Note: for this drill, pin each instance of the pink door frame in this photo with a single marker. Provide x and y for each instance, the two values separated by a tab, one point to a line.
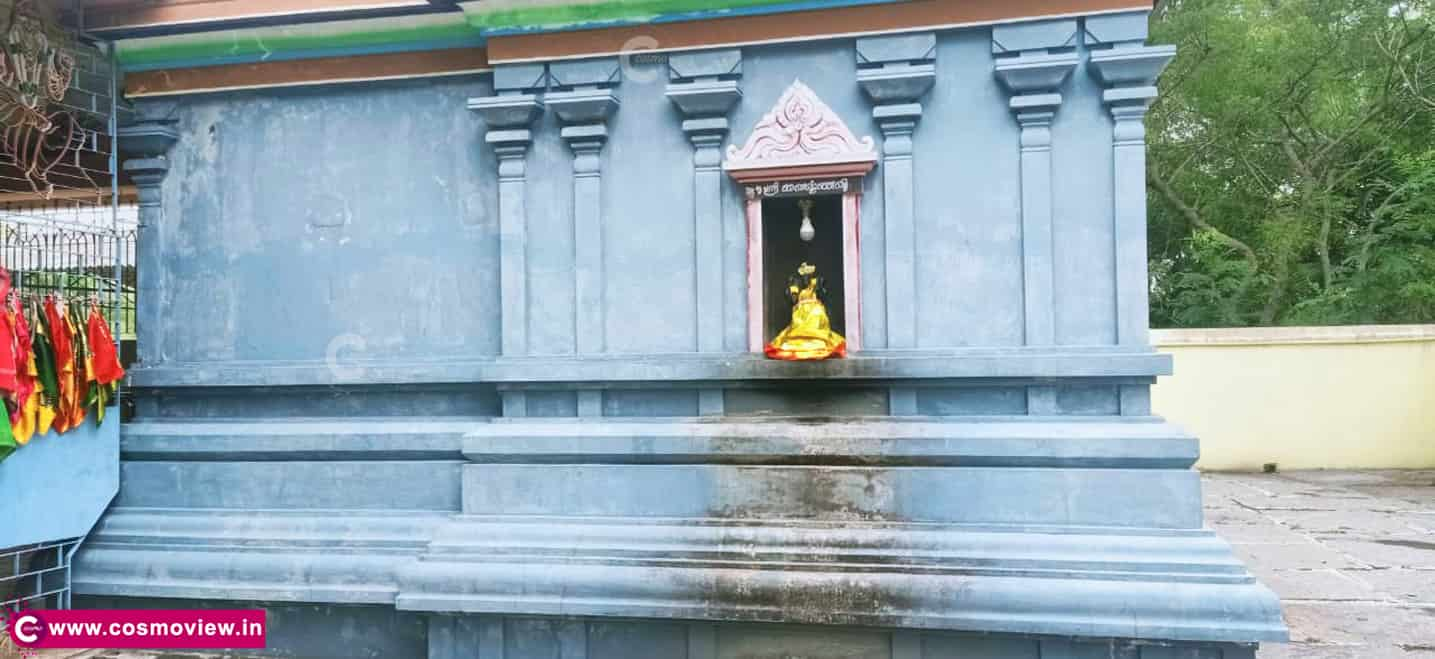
851	250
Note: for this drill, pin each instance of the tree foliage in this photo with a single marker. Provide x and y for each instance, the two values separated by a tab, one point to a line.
1292	163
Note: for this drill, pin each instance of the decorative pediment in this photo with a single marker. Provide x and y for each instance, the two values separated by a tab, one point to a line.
802	134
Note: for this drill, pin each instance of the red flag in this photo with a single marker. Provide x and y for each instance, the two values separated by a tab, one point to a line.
107	366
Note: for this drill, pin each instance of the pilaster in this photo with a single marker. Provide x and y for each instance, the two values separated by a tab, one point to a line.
1128	69
895	72
145	146
1033	61
704	87
583	100
509	114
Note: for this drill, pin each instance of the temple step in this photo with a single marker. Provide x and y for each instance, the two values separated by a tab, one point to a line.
1101	442
262	555
315	438
1075	581
294	464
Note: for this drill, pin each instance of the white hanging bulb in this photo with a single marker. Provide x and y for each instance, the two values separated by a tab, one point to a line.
807	232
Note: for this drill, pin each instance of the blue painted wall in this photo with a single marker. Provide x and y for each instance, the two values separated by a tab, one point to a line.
57	485
351	219
362	220
335	264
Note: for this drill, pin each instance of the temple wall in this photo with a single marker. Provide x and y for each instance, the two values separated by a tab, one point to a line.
366	311
353	220
279	212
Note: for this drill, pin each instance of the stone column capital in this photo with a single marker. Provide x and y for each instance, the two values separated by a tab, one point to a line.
895	72
1129	74
1128	66
1122	62
584	113
1035	74
707	98
1033	61
147	171
147	139
145	146
704	88
586	141
509	116
705	102
507	111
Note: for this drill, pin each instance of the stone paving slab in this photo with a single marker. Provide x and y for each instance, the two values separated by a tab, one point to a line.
1391	524
1350	553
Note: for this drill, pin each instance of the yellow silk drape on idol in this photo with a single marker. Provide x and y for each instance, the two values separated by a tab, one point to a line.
810	334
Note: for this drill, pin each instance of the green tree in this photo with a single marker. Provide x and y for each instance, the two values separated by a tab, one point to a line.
1292	163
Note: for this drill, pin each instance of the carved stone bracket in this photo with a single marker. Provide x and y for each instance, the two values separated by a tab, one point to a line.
145	146
897	69
584	113
705	84
1035	59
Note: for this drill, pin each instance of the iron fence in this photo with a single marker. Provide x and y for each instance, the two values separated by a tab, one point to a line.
36	576
75	262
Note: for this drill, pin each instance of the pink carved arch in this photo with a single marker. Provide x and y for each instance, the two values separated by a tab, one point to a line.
800	131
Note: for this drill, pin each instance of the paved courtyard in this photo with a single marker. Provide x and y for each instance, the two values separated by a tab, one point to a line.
1351	554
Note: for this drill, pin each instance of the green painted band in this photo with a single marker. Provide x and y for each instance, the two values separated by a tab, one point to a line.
604	11
259	46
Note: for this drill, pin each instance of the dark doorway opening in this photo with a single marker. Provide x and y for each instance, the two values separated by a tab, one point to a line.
783	250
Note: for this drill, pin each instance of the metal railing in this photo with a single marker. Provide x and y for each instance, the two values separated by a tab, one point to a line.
37	576
73	261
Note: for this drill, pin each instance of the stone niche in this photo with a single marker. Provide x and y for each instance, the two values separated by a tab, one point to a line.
802	154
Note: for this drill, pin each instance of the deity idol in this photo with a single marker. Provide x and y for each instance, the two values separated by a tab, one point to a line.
810	335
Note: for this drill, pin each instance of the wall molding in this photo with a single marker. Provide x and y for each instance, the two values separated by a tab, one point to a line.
295	73
1102	362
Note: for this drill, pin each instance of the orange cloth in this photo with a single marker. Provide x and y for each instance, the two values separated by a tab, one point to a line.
106	360
72	399
60	337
